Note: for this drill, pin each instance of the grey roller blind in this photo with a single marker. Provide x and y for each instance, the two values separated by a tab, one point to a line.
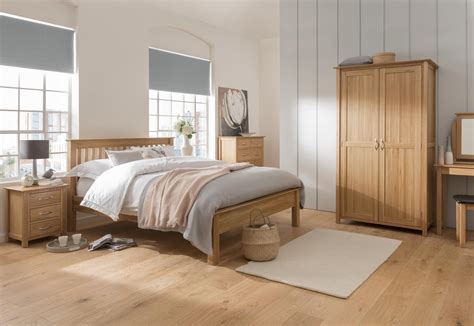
178	73
27	44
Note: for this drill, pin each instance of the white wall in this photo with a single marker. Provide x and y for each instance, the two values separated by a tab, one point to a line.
112	60
49	11
317	34
113	64
270	99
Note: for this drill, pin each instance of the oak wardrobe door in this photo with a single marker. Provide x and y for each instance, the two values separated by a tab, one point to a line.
400	149
359	128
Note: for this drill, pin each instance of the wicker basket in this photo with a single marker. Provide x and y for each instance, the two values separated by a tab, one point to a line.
260	244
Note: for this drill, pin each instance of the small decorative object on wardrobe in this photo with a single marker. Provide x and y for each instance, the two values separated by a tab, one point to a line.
360	60
383	57
449	159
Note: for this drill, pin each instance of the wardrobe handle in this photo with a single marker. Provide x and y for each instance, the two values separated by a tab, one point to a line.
376	144
382	146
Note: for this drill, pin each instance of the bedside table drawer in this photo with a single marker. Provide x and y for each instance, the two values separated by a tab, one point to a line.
45	198
46	227
45	213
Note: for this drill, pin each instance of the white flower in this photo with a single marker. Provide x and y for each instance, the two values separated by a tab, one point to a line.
187	130
177	126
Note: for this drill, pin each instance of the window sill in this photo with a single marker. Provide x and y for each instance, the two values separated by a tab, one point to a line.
16	181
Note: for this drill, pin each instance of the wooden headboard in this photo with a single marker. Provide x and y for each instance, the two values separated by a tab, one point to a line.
83	150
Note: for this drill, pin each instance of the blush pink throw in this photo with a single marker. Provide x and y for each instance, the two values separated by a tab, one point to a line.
169	198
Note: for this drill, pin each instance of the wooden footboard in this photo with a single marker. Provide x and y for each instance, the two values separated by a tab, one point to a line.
237	216
231	217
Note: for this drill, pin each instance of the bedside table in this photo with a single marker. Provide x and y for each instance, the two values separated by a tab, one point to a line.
36	212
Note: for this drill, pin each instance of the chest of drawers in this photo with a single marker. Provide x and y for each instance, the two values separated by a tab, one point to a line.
242	149
36	212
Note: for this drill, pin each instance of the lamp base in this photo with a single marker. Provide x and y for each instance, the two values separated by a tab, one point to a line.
35	173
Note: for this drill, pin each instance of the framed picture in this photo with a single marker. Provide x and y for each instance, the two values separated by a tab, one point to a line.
233	111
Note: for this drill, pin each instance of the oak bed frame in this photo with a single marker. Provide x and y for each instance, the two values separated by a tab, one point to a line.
83	150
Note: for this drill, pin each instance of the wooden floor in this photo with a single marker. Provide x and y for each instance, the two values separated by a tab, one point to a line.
428	280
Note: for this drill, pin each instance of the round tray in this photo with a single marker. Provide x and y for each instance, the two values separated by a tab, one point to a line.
54	246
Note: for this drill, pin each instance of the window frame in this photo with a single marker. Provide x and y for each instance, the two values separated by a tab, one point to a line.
157	131
44	111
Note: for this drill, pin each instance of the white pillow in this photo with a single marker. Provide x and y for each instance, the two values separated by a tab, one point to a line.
91	169
150	152
121	157
169	150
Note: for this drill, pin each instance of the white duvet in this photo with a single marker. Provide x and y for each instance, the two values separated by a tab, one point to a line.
124	185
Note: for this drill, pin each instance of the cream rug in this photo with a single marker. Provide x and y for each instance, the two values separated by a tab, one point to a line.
327	261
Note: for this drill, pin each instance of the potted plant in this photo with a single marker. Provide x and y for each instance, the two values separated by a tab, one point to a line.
183	127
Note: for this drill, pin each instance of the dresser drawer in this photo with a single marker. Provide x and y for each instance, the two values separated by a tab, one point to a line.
45	228
249	142
45	198
256	162
45	213
249	154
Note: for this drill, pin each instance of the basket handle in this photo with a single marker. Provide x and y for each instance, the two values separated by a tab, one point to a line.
266	219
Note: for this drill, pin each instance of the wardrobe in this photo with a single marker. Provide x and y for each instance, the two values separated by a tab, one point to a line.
386	143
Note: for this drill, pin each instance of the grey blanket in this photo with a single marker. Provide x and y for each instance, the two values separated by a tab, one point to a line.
228	190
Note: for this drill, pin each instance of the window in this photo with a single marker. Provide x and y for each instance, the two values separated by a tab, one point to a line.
34	104
166	107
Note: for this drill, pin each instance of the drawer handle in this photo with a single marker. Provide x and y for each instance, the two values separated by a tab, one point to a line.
45	198
45	213
45	228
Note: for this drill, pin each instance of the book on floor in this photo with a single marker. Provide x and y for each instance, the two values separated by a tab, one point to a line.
115	244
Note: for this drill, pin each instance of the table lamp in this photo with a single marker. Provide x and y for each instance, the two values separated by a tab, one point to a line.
34	149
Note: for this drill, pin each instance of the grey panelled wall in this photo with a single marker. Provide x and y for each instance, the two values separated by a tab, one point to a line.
317	34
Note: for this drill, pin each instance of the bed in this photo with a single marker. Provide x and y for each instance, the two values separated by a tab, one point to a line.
224	219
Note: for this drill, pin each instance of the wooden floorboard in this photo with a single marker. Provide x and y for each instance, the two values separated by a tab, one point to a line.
166	281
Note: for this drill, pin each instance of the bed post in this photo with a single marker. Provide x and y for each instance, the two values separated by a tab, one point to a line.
214	259
71	161
295	210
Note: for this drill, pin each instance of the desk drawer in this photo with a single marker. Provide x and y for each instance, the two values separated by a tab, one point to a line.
45	213
45	198
45	228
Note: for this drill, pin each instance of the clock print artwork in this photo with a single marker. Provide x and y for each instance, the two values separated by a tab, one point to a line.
233	110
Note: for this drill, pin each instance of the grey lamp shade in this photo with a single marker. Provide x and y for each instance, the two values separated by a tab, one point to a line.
34	149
